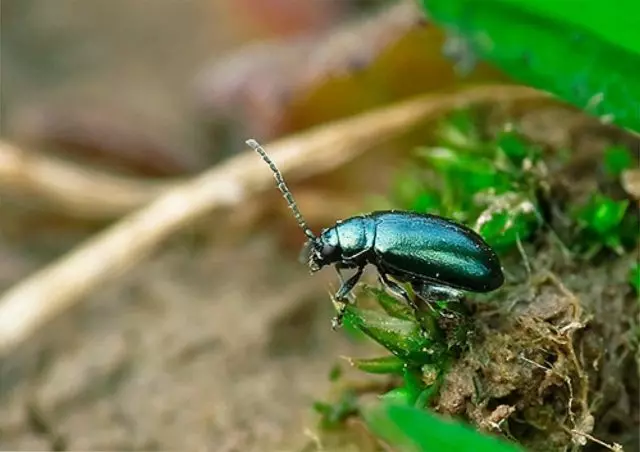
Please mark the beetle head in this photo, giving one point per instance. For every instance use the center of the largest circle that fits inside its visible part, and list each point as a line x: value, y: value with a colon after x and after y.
x: 322, y: 250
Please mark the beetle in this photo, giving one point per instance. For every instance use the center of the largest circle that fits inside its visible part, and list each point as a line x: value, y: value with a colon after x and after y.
x: 436, y: 256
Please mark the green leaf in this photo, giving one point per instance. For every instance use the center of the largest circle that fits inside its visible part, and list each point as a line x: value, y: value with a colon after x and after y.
x: 459, y: 130
x: 403, y: 338
x: 390, y: 304
x: 335, y: 373
x: 513, y: 146
x: 383, y: 365
x: 332, y: 415
x: 602, y: 214
x: 425, y: 202
x: 412, y: 378
x: 616, y: 160
x: 414, y: 429
x: 516, y: 220
x: 399, y: 396
x: 586, y: 53
x: 634, y: 277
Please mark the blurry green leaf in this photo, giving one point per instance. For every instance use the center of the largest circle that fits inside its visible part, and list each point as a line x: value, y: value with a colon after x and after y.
x: 614, y: 242
x: 332, y: 415
x: 602, y: 214
x: 403, y: 338
x: 426, y: 395
x: 466, y: 174
x: 616, y: 160
x: 335, y: 373
x: 383, y: 365
x: 399, y: 396
x: 390, y: 304
x: 602, y: 223
x: 425, y: 202
x: 516, y: 221
x: 513, y: 146
x: 412, y: 378
x: 407, y: 186
x: 634, y: 277
x: 531, y: 41
x: 409, y: 428
x: 459, y: 131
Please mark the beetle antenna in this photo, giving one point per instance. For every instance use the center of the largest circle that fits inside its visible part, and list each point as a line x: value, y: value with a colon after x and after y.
x: 282, y: 186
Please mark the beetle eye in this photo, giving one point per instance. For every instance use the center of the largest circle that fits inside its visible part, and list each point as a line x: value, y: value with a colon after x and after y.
x: 328, y: 250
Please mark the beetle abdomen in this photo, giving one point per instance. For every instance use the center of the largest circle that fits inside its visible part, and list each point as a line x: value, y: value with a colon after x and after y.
x: 428, y: 247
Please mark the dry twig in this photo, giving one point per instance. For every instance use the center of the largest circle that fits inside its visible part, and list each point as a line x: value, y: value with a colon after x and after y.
x: 73, y: 189
x: 32, y: 302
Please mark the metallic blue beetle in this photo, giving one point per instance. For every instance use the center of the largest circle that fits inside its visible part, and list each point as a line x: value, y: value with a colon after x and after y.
x: 438, y: 257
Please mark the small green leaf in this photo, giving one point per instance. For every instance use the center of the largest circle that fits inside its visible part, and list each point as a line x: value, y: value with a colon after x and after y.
x: 634, y: 277
x: 512, y: 145
x: 459, y: 131
x: 403, y: 338
x: 407, y: 187
x: 335, y: 373
x: 602, y: 214
x: 390, y: 304
x: 503, y: 228
x: 616, y: 160
x: 399, y: 396
x: 425, y: 202
x: 412, y: 378
x: 409, y: 428
x: 383, y: 365
x: 332, y: 415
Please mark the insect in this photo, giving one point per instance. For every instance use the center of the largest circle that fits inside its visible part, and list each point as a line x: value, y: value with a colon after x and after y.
x: 437, y: 257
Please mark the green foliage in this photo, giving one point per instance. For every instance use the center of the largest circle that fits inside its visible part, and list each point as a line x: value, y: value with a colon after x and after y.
x: 489, y: 182
x: 602, y: 224
x: 383, y: 365
x: 413, y: 429
x: 333, y: 415
x: 634, y: 277
x: 389, y: 304
x: 530, y: 40
x: 494, y: 185
x: 616, y: 160
x: 403, y: 338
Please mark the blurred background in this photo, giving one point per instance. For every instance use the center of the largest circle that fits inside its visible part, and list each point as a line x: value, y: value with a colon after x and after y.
x: 219, y: 339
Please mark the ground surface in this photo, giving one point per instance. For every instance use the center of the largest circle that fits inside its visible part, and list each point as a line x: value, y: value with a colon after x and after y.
x: 191, y: 351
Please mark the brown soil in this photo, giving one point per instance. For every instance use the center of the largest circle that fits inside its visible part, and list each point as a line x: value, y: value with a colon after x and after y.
x: 221, y: 349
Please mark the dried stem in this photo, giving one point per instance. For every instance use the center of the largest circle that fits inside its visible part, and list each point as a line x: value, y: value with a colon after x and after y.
x: 70, y: 188
x: 47, y: 293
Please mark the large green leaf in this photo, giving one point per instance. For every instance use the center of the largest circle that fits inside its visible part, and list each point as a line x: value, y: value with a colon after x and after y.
x: 586, y: 52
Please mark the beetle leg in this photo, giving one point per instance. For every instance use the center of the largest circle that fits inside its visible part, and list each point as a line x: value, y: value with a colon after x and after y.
x: 339, y: 267
x: 341, y: 295
x: 348, y: 285
x: 398, y: 290
x: 433, y: 293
